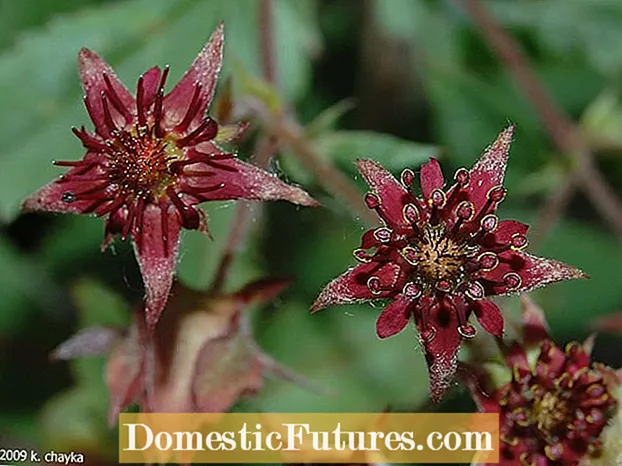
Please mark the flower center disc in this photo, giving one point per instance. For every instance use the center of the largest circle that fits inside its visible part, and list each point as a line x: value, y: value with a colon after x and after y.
x: 438, y: 256
x: 549, y: 412
x: 140, y: 163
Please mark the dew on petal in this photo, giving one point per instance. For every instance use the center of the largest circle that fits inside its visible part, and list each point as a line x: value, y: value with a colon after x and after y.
x: 68, y: 197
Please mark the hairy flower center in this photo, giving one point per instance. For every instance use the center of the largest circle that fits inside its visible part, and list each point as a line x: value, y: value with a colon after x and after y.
x: 134, y: 159
x: 140, y: 163
x: 549, y: 412
x: 438, y: 257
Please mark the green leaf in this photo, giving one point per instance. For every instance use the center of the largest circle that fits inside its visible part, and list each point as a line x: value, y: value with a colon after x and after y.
x: 343, y: 147
x: 248, y: 84
x: 296, y: 40
x: 421, y: 23
x: 395, y: 154
x: 470, y: 112
x: 563, y: 27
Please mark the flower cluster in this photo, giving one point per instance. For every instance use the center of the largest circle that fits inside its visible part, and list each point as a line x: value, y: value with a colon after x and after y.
x: 438, y: 256
x: 151, y: 159
x: 555, y: 406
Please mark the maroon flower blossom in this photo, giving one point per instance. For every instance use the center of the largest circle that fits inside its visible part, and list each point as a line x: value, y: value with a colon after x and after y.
x: 202, y: 357
x: 151, y: 160
x: 555, y: 405
x: 438, y: 256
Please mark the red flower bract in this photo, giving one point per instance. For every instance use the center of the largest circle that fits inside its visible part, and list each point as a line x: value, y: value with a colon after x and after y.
x: 151, y: 160
x: 557, y: 404
x: 202, y: 357
x: 439, y: 255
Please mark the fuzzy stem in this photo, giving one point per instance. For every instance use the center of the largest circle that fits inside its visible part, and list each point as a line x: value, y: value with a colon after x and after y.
x: 266, y: 40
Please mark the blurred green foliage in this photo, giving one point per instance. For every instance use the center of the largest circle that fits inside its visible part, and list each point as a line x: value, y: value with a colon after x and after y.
x: 449, y: 100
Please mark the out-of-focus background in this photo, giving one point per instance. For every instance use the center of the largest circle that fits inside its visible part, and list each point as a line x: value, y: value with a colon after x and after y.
x: 393, y: 80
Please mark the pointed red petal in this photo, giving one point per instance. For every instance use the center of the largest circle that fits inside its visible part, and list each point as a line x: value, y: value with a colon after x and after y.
x: 49, y: 198
x: 87, y: 342
x: 351, y: 287
x: 226, y: 370
x: 151, y: 81
x: 156, y: 246
x: 92, y: 69
x: 246, y: 181
x: 508, y: 228
x: 394, y: 318
x: 442, y: 357
x: 489, y: 171
x: 489, y: 316
x: 431, y: 178
x: 124, y: 375
x: 204, y: 71
x: 534, y: 272
x: 392, y: 195
x: 441, y: 351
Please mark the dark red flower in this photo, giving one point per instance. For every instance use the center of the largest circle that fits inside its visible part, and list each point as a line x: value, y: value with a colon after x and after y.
x: 556, y: 405
x: 439, y: 255
x: 151, y: 160
x: 201, y: 358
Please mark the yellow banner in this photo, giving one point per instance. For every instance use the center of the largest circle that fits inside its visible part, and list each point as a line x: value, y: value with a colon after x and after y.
x: 308, y: 438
